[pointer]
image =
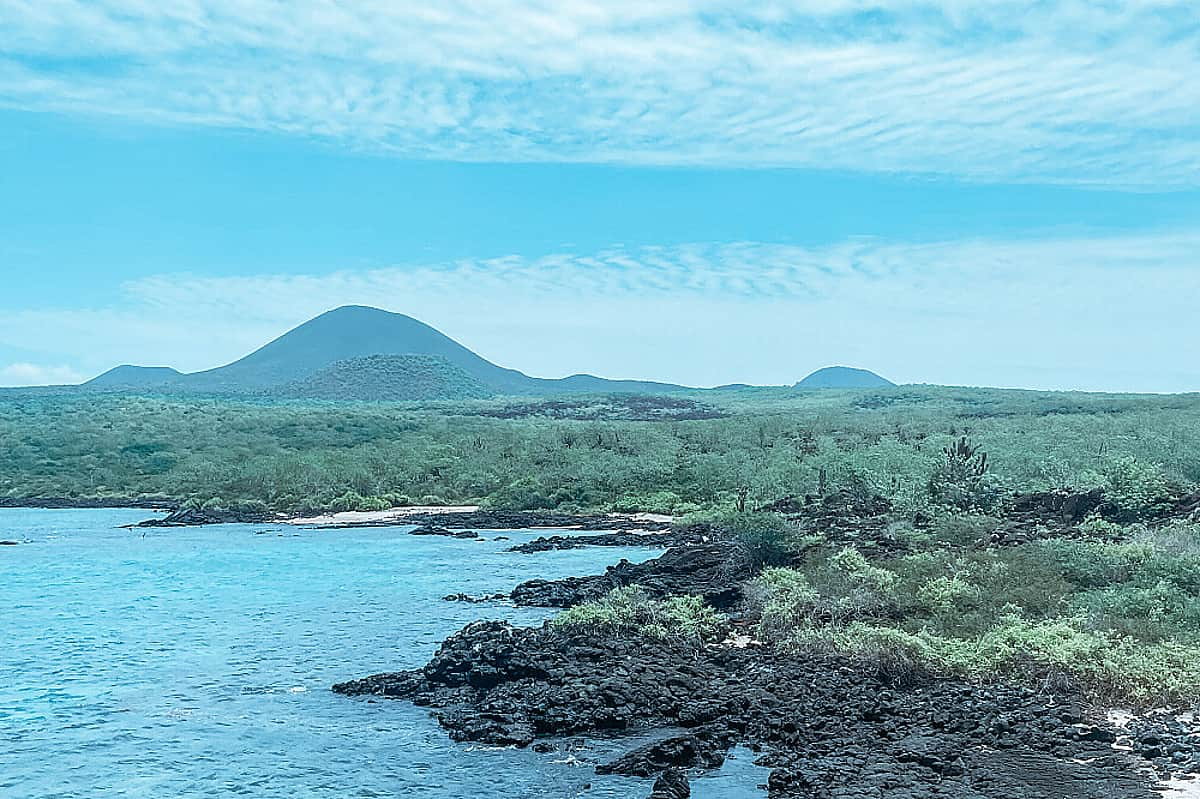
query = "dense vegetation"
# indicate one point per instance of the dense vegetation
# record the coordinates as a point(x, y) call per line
point(387, 378)
point(770, 443)
point(1111, 604)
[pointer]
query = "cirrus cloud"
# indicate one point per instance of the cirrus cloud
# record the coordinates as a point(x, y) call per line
point(998, 90)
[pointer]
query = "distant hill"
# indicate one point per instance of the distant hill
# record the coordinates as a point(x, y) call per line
point(843, 377)
point(134, 377)
point(353, 332)
point(387, 378)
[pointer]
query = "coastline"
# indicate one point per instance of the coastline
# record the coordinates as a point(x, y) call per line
point(826, 725)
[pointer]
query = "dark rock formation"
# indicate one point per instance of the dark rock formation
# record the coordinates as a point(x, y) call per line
point(703, 749)
point(829, 730)
point(475, 599)
point(622, 539)
point(193, 517)
point(671, 784)
point(710, 570)
point(433, 529)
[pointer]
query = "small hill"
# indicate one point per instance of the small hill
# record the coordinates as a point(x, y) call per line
point(354, 332)
point(134, 377)
point(843, 377)
point(387, 378)
point(343, 334)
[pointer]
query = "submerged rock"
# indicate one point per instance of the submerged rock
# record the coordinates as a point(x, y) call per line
point(475, 599)
point(433, 529)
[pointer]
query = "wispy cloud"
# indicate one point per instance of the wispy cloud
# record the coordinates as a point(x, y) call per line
point(1066, 91)
point(31, 374)
point(1102, 312)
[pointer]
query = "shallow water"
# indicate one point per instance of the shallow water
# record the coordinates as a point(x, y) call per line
point(196, 662)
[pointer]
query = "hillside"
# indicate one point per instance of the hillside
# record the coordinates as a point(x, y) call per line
point(387, 378)
point(843, 377)
point(354, 332)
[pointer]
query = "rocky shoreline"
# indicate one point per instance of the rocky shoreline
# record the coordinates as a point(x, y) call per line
point(827, 727)
point(824, 727)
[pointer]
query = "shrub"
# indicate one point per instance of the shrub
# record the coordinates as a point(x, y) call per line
point(1137, 489)
point(845, 587)
point(631, 611)
point(964, 529)
point(346, 502)
point(947, 594)
point(768, 539)
point(373, 504)
point(786, 600)
point(526, 493)
point(1096, 526)
point(962, 479)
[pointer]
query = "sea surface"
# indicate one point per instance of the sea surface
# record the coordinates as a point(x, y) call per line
point(196, 662)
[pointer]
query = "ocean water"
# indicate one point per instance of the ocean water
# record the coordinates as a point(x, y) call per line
point(196, 662)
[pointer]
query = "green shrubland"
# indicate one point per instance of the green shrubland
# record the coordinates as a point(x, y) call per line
point(1120, 620)
point(750, 448)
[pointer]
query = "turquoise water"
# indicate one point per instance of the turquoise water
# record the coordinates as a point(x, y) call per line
point(197, 662)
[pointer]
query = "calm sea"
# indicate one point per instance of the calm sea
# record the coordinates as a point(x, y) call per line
point(196, 662)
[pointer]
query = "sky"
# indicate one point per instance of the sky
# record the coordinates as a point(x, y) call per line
point(968, 192)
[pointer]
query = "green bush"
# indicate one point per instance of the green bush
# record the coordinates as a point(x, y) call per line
point(1139, 490)
point(527, 493)
point(630, 611)
point(767, 538)
point(786, 601)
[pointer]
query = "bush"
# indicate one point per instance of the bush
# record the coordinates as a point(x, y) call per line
point(768, 539)
point(1138, 490)
point(962, 479)
point(786, 600)
point(1096, 526)
point(374, 504)
point(964, 529)
point(631, 611)
point(847, 587)
point(526, 493)
point(942, 595)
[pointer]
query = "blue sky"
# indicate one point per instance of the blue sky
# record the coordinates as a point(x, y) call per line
point(988, 193)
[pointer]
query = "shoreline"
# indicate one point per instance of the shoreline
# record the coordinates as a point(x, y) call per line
point(826, 725)
point(460, 516)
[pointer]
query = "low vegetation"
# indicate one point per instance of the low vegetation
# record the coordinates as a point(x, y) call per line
point(1121, 620)
point(630, 611)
